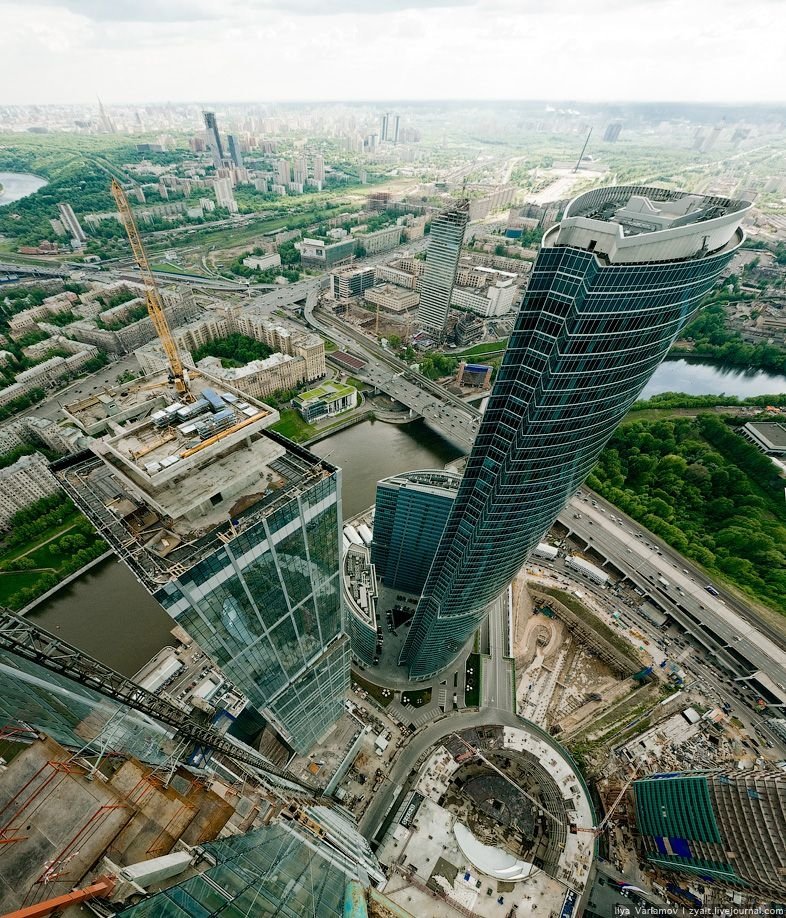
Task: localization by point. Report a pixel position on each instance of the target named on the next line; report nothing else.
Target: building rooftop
(435, 480)
(639, 223)
(327, 392)
(165, 489)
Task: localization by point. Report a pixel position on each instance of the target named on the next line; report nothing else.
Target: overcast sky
(258, 50)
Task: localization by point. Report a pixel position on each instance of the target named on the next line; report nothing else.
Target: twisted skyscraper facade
(613, 285)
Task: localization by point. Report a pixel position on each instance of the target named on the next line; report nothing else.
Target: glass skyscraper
(613, 285)
(410, 515)
(313, 863)
(237, 533)
(442, 258)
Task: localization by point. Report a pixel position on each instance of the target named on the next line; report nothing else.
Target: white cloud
(157, 50)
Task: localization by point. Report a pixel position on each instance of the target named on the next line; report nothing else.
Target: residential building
(329, 399)
(23, 483)
(725, 827)
(351, 282)
(225, 197)
(382, 240)
(494, 300)
(283, 172)
(299, 355)
(70, 222)
(213, 139)
(612, 287)
(234, 151)
(411, 511)
(319, 168)
(236, 532)
(439, 277)
(499, 199)
(263, 262)
(391, 298)
(300, 170)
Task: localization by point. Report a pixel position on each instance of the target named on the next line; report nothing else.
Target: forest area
(707, 492)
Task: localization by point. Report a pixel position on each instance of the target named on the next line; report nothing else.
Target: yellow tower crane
(155, 307)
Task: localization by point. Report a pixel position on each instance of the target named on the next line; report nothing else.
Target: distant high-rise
(409, 519)
(300, 170)
(613, 285)
(727, 826)
(612, 132)
(442, 258)
(213, 138)
(234, 151)
(72, 224)
(319, 168)
(236, 532)
(389, 127)
(225, 197)
(283, 176)
(105, 123)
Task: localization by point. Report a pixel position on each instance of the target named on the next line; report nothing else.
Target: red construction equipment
(103, 886)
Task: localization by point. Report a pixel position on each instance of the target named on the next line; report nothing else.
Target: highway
(498, 674)
(735, 635)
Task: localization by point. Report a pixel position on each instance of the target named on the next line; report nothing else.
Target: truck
(664, 583)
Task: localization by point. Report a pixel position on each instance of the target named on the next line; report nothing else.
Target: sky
(136, 51)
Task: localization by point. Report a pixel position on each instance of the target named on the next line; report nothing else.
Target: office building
(225, 197)
(234, 151)
(442, 258)
(725, 827)
(310, 860)
(213, 139)
(613, 285)
(410, 515)
(236, 532)
(69, 220)
(351, 282)
(389, 127)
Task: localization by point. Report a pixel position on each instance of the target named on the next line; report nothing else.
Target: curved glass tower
(613, 285)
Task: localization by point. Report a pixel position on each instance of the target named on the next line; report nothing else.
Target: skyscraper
(612, 132)
(613, 285)
(319, 168)
(725, 825)
(409, 519)
(236, 532)
(442, 258)
(213, 138)
(234, 151)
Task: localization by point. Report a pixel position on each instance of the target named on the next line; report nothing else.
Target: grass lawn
(472, 694)
(491, 347)
(294, 427)
(69, 519)
(330, 345)
(168, 268)
(416, 698)
(375, 691)
(357, 383)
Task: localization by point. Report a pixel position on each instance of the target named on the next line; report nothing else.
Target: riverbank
(39, 600)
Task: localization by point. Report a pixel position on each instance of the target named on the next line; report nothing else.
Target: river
(109, 615)
(18, 185)
(699, 378)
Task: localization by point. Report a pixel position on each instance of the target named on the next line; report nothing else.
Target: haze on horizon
(148, 51)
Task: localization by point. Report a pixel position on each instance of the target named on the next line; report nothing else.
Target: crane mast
(154, 305)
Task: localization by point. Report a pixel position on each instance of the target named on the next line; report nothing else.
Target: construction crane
(155, 308)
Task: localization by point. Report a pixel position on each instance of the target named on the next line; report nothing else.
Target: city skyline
(184, 49)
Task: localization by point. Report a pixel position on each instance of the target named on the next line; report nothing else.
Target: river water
(110, 616)
(18, 185)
